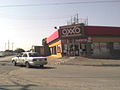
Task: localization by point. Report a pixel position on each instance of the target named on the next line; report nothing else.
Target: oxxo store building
(80, 40)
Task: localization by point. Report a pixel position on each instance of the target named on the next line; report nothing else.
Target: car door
(24, 58)
(18, 59)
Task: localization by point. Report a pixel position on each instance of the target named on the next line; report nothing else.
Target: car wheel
(14, 63)
(27, 65)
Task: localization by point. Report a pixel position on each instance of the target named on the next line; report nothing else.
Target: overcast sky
(28, 25)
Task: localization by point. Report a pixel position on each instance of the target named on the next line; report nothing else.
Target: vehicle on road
(29, 59)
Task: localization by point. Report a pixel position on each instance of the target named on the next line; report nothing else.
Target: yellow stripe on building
(55, 44)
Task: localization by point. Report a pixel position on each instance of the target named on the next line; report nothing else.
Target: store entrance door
(73, 50)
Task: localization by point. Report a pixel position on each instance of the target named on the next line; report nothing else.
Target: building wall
(106, 47)
(101, 30)
(42, 50)
(105, 39)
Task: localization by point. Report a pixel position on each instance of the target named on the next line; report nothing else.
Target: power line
(67, 3)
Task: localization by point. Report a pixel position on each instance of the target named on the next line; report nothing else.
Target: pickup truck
(29, 59)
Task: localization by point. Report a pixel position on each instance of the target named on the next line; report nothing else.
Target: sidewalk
(84, 61)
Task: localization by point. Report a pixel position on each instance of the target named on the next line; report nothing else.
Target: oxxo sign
(71, 31)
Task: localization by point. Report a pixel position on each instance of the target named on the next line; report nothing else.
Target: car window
(34, 55)
(25, 55)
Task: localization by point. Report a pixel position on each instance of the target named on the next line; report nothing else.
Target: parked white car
(29, 59)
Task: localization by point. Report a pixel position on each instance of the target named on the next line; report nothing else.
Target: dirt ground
(62, 74)
(83, 61)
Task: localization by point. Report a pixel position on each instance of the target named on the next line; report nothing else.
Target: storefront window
(116, 46)
(65, 50)
(53, 50)
(71, 50)
(75, 47)
(58, 49)
(100, 49)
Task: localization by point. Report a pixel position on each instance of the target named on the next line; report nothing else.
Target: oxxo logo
(71, 31)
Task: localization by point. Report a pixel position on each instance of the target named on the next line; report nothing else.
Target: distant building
(80, 40)
(42, 50)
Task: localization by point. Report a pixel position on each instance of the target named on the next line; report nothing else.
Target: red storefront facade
(80, 40)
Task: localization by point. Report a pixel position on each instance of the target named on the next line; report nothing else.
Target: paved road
(58, 77)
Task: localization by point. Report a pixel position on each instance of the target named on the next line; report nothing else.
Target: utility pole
(87, 20)
(71, 20)
(5, 46)
(77, 18)
(8, 44)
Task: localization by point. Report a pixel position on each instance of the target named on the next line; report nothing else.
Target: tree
(44, 41)
(8, 50)
(19, 50)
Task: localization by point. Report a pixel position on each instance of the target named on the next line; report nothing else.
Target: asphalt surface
(62, 74)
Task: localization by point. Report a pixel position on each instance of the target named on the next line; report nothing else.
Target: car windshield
(34, 55)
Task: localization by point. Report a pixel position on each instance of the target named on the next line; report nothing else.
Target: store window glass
(58, 49)
(53, 50)
(116, 46)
